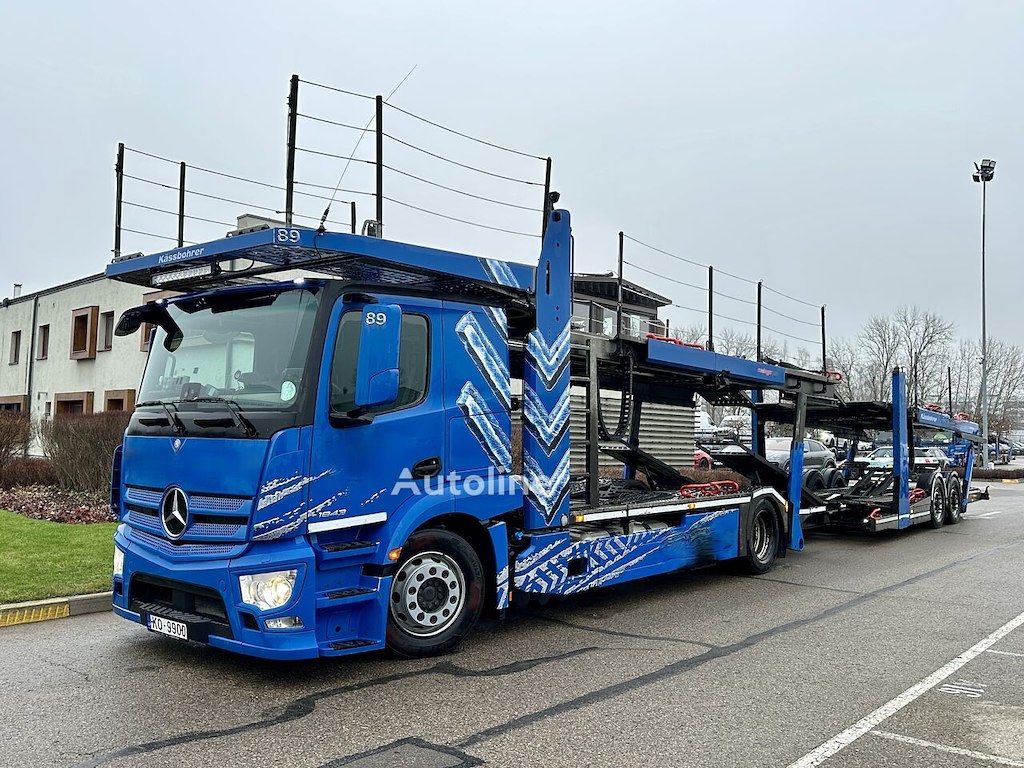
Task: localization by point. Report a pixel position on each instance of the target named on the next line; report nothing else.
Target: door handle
(427, 467)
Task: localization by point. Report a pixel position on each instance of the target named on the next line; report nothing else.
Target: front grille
(144, 496)
(215, 529)
(147, 520)
(216, 503)
(151, 497)
(186, 548)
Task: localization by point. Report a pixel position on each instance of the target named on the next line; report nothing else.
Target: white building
(58, 352)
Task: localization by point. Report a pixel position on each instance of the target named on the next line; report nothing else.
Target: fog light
(267, 591)
(118, 562)
(284, 622)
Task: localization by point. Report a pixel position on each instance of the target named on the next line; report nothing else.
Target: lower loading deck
(651, 535)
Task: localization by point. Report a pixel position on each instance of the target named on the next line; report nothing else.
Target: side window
(413, 363)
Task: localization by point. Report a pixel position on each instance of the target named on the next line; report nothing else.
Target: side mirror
(377, 367)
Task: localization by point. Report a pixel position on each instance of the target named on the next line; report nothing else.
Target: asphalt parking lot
(906, 649)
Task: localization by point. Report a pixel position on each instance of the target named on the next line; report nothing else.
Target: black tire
(954, 499)
(705, 464)
(763, 536)
(838, 480)
(938, 501)
(814, 481)
(433, 560)
(925, 480)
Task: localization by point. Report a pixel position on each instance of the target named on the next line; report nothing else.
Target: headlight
(267, 591)
(118, 562)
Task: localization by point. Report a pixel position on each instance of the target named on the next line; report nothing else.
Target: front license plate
(175, 629)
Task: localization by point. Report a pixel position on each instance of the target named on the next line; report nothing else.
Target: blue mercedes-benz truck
(375, 454)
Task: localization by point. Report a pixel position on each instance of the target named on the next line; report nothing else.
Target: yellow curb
(1010, 481)
(39, 610)
(54, 608)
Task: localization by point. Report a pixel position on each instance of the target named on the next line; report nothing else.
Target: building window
(15, 347)
(83, 333)
(581, 316)
(43, 346)
(119, 400)
(107, 329)
(48, 410)
(16, 403)
(73, 402)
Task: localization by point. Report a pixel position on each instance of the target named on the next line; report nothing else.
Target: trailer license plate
(175, 629)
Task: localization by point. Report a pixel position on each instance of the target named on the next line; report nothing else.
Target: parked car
(1005, 453)
(701, 459)
(816, 455)
(881, 458)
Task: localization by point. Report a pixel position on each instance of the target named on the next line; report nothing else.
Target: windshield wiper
(233, 408)
(178, 424)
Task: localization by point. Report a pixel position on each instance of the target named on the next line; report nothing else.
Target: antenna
(323, 219)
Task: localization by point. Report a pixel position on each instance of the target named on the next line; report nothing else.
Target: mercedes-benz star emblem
(174, 512)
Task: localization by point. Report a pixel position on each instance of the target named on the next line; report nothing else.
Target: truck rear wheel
(954, 499)
(762, 538)
(938, 501)
(436, 594)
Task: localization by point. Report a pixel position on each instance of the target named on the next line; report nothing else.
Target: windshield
(777, 444)
(248, 347)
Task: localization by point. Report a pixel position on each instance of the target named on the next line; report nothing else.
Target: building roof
(605, 286)
(53, 289)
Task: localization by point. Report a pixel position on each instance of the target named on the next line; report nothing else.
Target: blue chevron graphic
(546, 571)
(495, 441)
(498, 317)
(488, 360)
(549, 359)
(549, 427)
(500, 272)
(546, 492)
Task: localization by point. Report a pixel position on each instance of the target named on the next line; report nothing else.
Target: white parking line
(890, 708)
(947, 748)
(1007, 653)
(986, 515)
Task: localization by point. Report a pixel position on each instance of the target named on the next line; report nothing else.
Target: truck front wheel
(436, 594)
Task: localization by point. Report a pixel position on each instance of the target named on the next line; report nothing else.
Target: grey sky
(825, 147)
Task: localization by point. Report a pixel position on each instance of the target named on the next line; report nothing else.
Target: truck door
(358, 465)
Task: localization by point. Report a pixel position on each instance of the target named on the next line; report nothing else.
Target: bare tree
(924, 337)
(880, 345)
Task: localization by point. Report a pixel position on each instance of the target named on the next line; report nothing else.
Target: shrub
(998, 473)
(81, 447)
(15, 435)
(27, 470)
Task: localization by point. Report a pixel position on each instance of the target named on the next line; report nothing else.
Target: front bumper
(205, 595)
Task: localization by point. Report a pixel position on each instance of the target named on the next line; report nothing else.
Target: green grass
(41, 559)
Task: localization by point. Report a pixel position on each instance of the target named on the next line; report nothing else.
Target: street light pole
(983, 173)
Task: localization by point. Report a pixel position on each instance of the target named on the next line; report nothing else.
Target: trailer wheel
(762, 538)
(938, 501)
(954, 499)
(436, 594)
